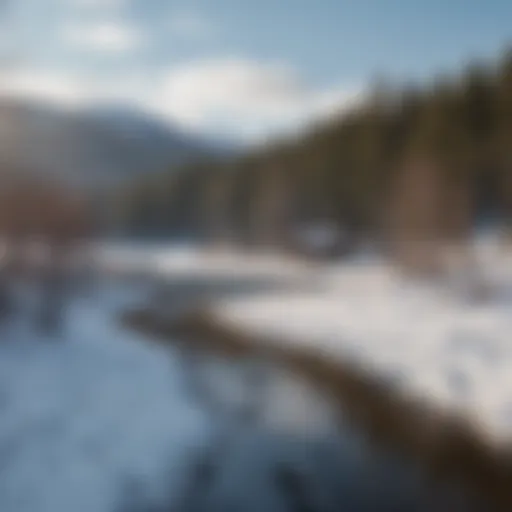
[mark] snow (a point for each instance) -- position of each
(446, 341)
(426, 339)
(174, 260)
(101, 419)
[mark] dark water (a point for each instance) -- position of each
(281, 445)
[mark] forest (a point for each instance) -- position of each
(423, 164)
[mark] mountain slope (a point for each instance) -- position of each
(95, 147)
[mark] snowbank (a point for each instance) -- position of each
(187, 260)
(427, 339)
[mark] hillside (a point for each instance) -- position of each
(98, 146)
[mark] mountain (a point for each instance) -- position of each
(97, 146)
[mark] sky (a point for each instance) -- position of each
(244, 70)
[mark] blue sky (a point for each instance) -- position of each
(237, 68)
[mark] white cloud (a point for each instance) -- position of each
(191, 26)
(253, 99)
(106, 36)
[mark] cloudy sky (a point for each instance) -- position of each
(237, 68)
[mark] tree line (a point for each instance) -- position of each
(413, 163)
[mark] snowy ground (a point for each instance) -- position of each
(186, 260)
(100, 419)
(427, 339)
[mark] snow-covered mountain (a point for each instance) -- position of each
(97, 146)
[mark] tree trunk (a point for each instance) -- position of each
(415, 218)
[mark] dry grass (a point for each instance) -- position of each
(448, 448)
